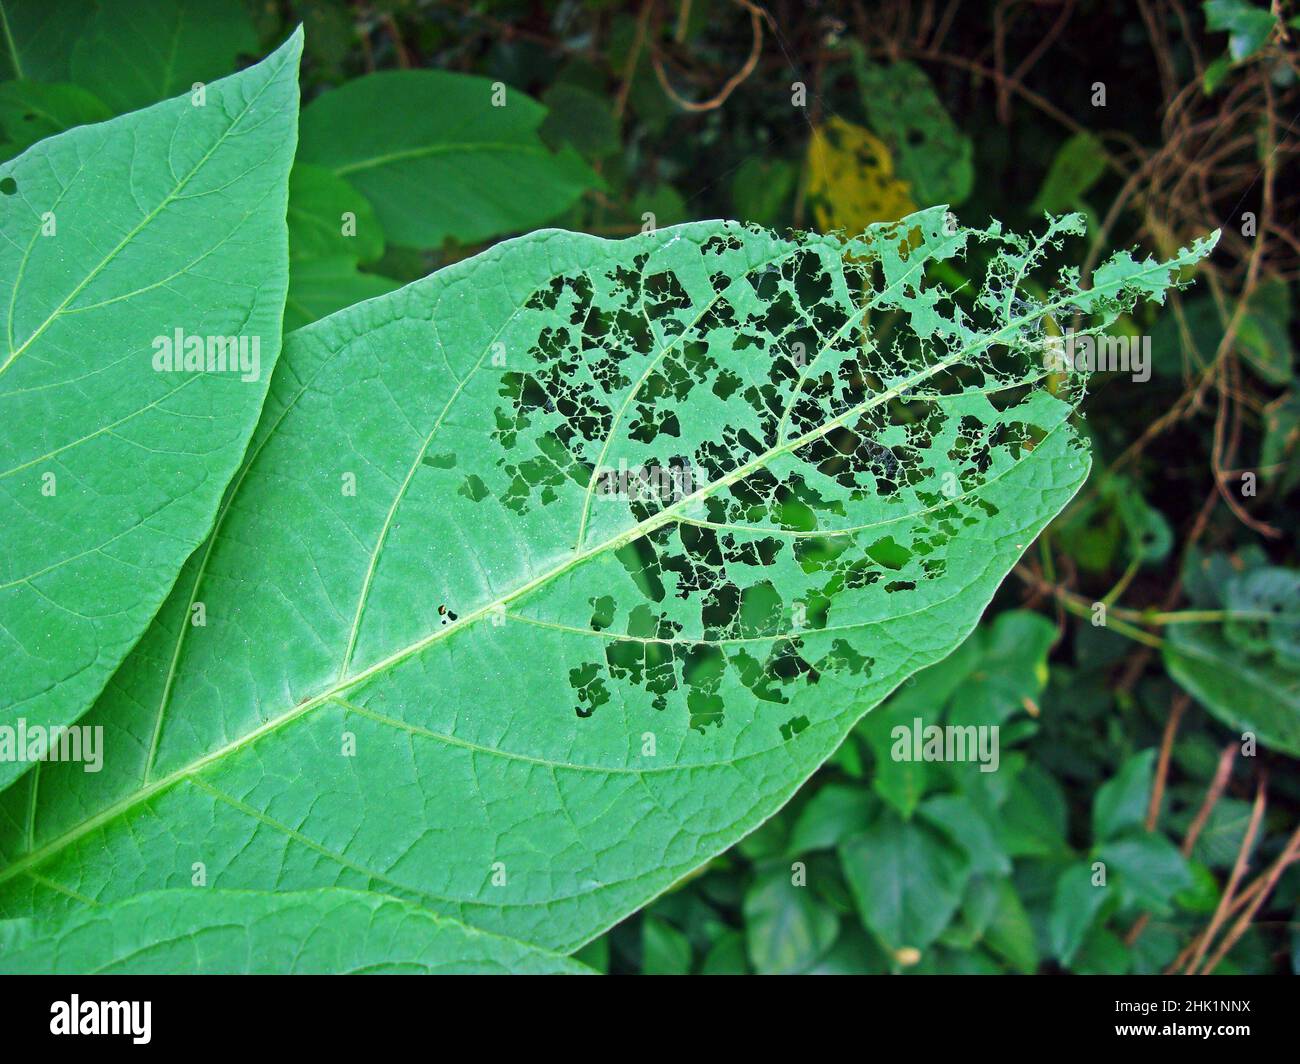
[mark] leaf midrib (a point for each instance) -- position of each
(375, 162)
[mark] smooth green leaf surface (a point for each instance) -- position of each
(1009, 933)
(110, 470)
(318, 287)
(1033, 822)
(438, 159)
(1008, 669)
(329, 219)
(463, 681)
(198, 931)
(332, 229)
(970, 829)
(1249, 25)
(664, 949)
(1076, 167)
(834, 814)
(1147, 870)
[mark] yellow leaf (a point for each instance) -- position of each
(851, 180)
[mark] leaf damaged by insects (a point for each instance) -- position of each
(722, 487)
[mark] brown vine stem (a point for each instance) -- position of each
(1212, 795)
(633, 55)
(757, 16)
(1176, 712)
(1290, 852)
(1238, 870)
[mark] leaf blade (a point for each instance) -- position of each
(501, 805)
(323, 932)
(109, 481)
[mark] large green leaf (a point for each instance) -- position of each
(333, 931)
(438, 158)
(36, 38)
(133, 52)
(110, 471)
(332, 228)
(329, 219)
(500, 682)
(318, 287)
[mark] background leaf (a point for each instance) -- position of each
(907, 880)
(437, 159)
(132, 53)
(931, 153)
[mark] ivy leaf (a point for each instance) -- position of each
(1009, 670)
(1246, 671)
(1264, 335)
(439, 158)
(907, 880)
(1121, 803)
(1148, 871)
(111, 472)
(572, 535)
(334, 931)
(787, 930)
(1010, 934)
(1248, 24)
(1075, 906)
(664, 949)
(833, 814)
(1033, 821)
(1248, 694)
(963, 821)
